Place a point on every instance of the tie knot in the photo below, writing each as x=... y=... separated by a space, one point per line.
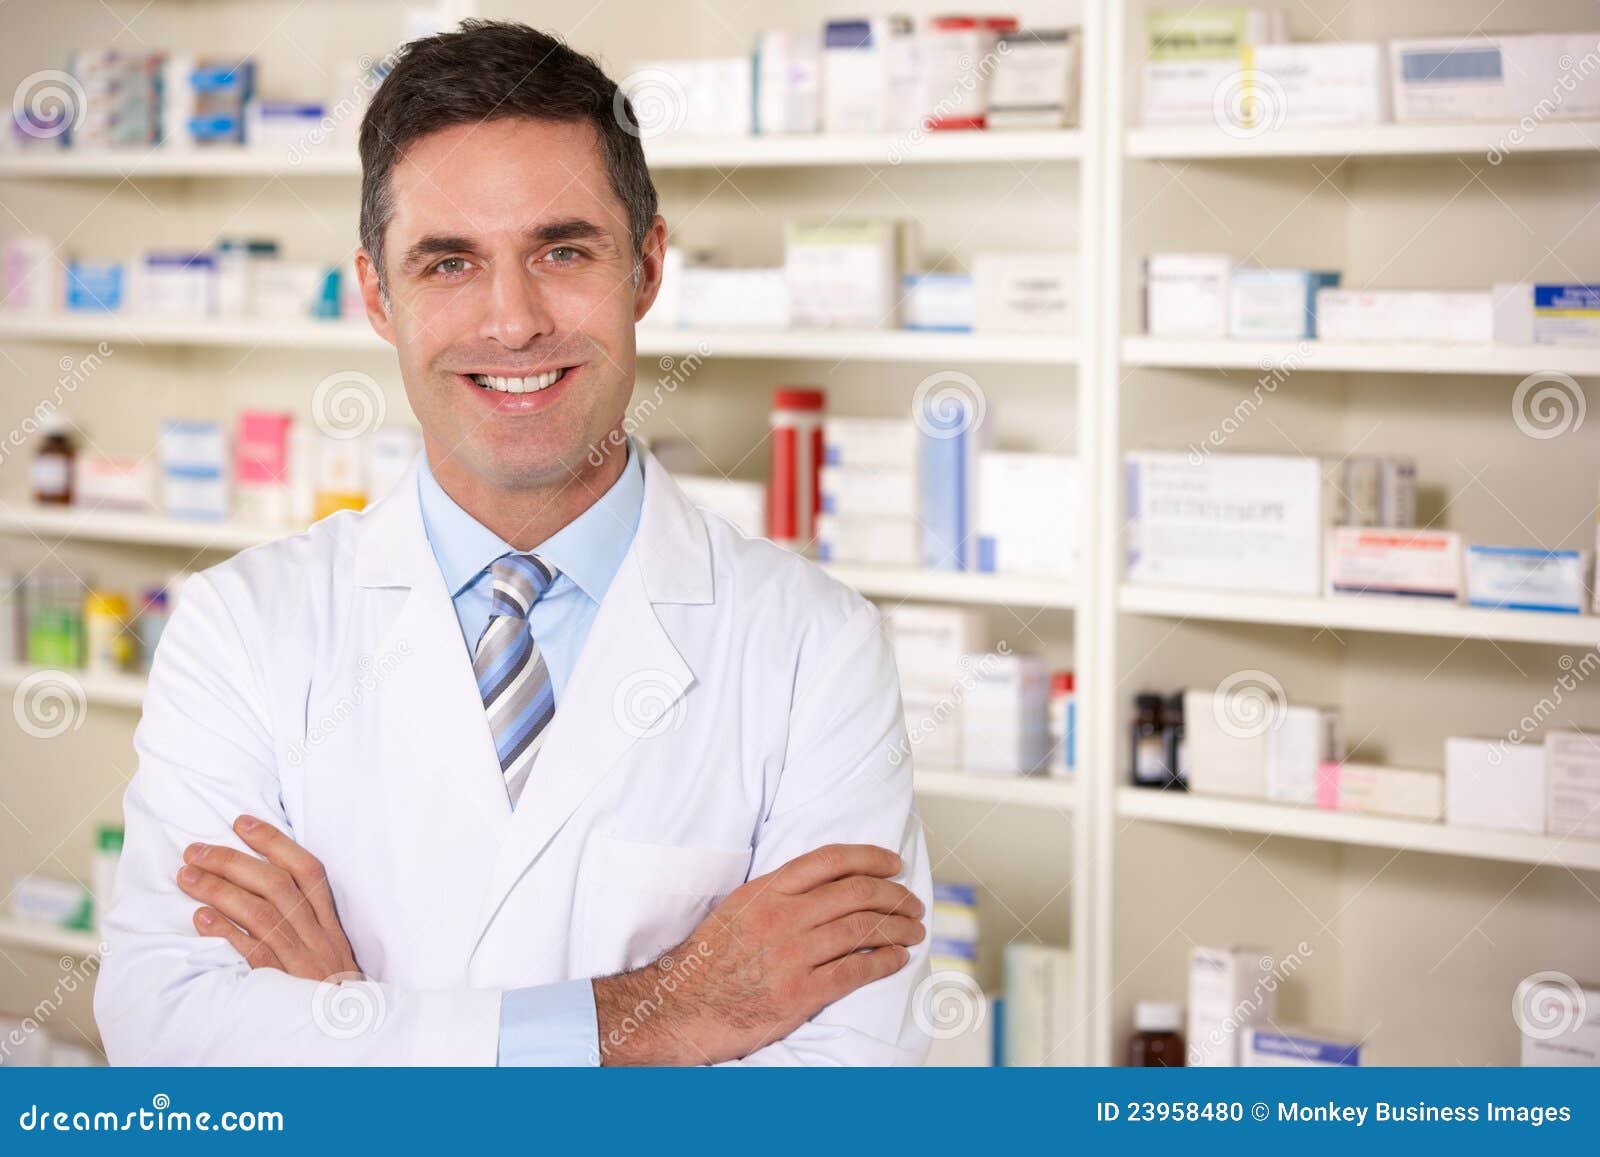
x=520 y=580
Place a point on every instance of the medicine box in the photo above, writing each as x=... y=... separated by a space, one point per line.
x=1303 y=739
x=845 y=273
x=1526 y=314
x=788 y=80
x=1572 y=784
x=1324 y=83
x=94 y=285
x=869 y=541
x=1273 y=1046
x=1493 y=78
x=1230 y=989
x=194 y=470
x=702 y=97
x=933 y=724
x=1525 y=579
x=1247 y=522
x=1573 y=1004
x=1401 y=793
x=390 y=452
x=954 y=435
x=1035 y=81
x=929 y=642
x=870 y=442
x=941 y=302
x=1398 y=316
x=871 y=490
x=107 y=483
x=1378 y=491
x=870 y=75
x=1027 y=513
x=1413 y=563
x=175 y=284
x=716 y=298
x=1491 y=784
x=1025 y=292
x=1275 y=304
x=742 y=503
x=1186 y=294
x=1222 y=33
x=1005 y=714
x=1041 y=1009
x=1227 y=751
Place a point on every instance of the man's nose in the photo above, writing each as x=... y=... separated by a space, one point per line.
x=517 y=311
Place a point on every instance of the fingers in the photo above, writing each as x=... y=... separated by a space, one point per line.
x=305 y=869
x=834 y=862
x=264 y=881
x=839 y=978
x=861 y=894
x=209 y=922
x=861 y=930
x=252 y=913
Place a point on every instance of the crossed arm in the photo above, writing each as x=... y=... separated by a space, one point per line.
x=774 y=953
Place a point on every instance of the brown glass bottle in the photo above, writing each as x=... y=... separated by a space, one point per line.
x=1156 y=1042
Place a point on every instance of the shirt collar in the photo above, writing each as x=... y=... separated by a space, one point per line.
x=588 y=550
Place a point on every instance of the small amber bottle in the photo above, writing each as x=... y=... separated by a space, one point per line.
x=50 y=472
x=1156 y=1043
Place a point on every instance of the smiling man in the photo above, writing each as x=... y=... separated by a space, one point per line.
x=533 y=762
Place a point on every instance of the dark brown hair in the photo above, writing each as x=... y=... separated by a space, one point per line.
x=491 y=70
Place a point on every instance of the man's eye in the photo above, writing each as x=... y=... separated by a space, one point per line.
x=451 y=266
x=564 y=254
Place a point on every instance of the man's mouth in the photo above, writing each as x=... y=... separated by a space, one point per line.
x=530 y=384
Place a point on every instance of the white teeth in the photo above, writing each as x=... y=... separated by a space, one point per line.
x=518 y=385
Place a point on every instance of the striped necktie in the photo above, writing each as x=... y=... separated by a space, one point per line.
x=512 y=677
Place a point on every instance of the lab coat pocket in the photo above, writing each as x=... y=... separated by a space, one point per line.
x=640 y=899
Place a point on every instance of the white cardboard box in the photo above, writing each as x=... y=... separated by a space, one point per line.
x=1576 y=1006
x=1306 y=738
x=1027 y=513
x=1357 y=315
x=1186 y=294
x=1401 y=793
x=1228 y=991
x=1324 y=83
x=1494 y=785
x=1224 y=759
x=1572 y=784
x=1225 y=521
x=1025 y=292
x=1413 y=563
x=929 y=642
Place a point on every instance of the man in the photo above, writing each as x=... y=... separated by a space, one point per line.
x=534 y=761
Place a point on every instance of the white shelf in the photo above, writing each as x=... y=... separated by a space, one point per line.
x=888 y=149
x=1398 y=357
x=1379 y=613
x=139 y=529
x=1207 y=142
x=956 y=586
x=1173 y=807
x=892 y=345
x=1024 y=791
x=109 y=690
x=46 y=938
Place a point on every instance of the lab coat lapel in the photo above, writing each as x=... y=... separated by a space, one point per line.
x=628 y=681
x=439 y=774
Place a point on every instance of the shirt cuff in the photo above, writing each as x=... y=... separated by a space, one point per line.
x=553 y=1024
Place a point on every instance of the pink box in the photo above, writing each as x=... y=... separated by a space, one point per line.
x=261 y=447
x=1328 y=784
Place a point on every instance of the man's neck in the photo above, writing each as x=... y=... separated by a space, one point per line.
x=524 y=518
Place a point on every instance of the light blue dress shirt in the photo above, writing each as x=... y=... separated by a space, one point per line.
x=552 y=1024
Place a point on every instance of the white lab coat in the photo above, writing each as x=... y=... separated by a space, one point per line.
x=733 y=707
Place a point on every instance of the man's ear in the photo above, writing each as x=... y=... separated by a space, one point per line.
x=372 y=296
x=652 y=259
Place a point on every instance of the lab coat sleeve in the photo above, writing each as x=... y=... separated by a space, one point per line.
x=166 y=995
x=847 y=780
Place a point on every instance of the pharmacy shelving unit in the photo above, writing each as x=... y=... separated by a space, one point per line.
x=1022 y=840
x=1413 y=935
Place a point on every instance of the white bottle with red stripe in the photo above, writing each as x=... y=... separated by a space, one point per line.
x=794 y=497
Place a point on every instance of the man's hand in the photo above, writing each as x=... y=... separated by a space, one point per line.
x=777 y=951
x=277 y=912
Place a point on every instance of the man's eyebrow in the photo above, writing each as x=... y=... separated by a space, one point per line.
x=570 y=229
x=432 y=245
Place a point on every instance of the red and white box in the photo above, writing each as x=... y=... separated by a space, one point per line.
x=1414 y=563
